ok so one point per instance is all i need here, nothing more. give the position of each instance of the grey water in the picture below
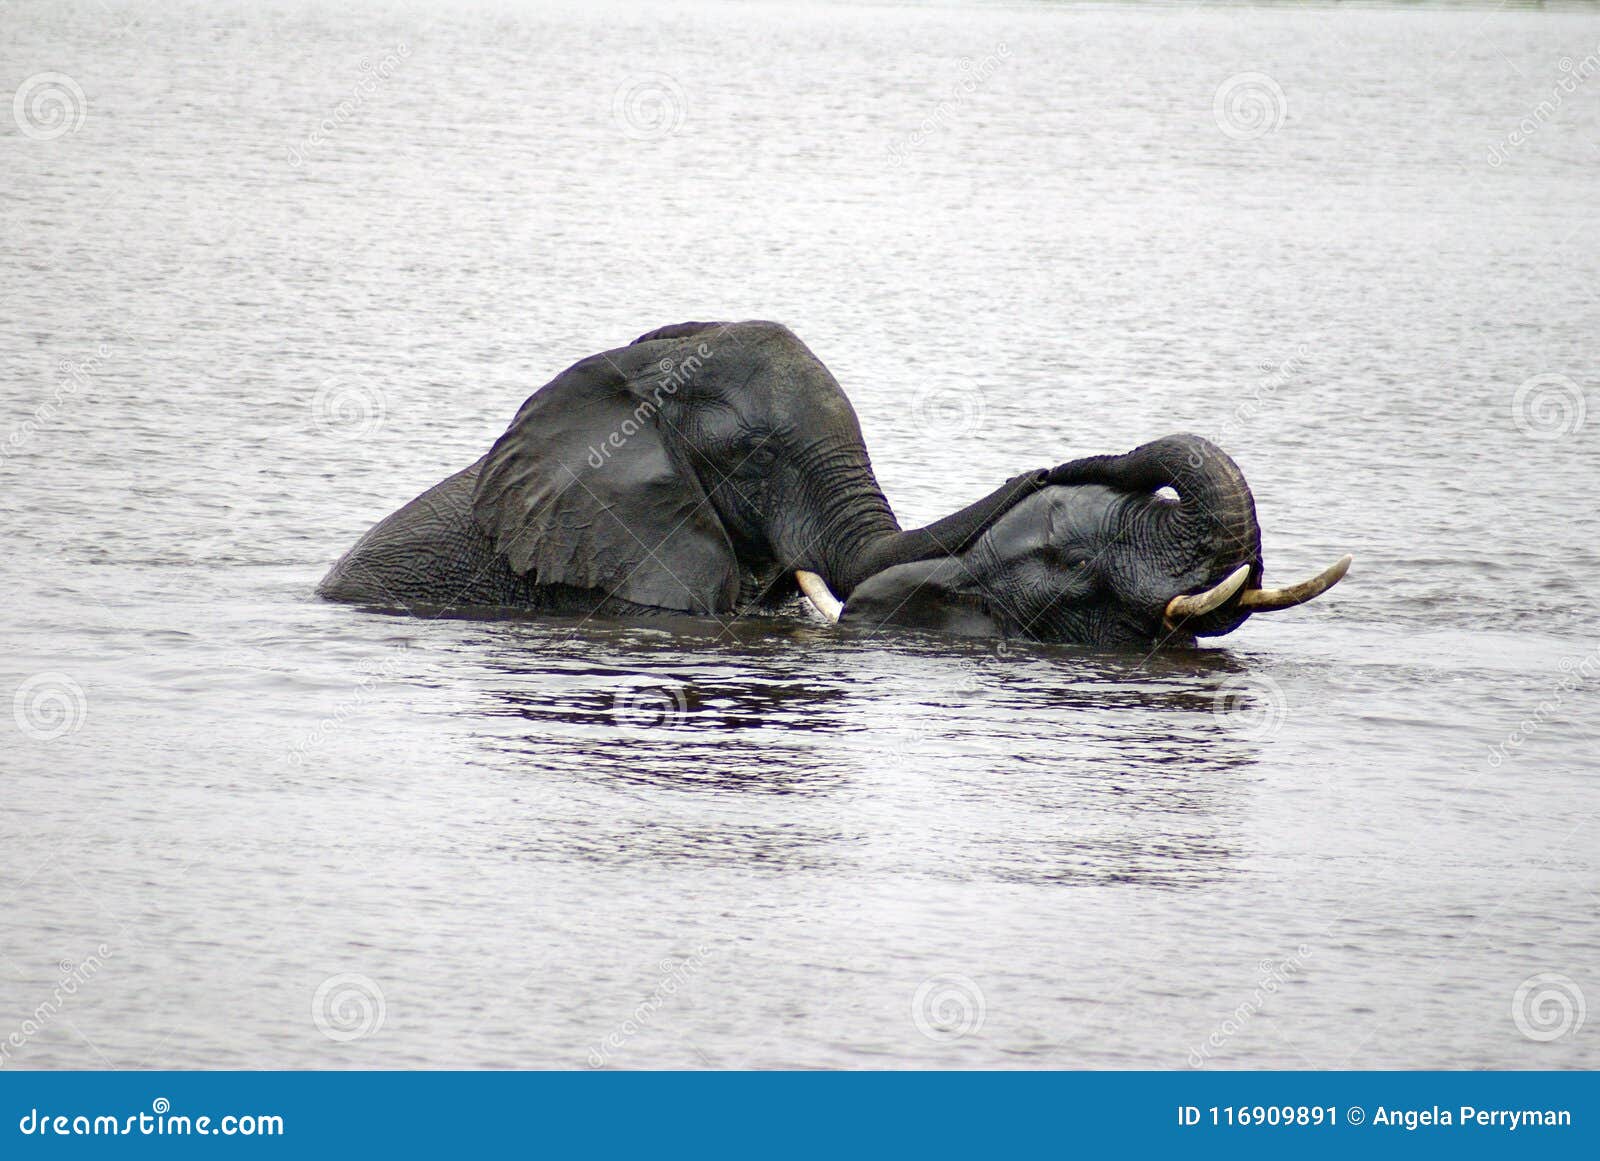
(271, 270)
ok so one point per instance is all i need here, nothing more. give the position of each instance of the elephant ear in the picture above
(585, 489)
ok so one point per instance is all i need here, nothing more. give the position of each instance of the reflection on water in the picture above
(229, 358)
(663, 722)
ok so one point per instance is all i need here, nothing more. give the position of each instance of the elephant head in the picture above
(1101, 556)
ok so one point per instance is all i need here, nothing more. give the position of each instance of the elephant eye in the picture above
(763, 453)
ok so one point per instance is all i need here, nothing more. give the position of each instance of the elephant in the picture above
(718, 468)
(1101, 556)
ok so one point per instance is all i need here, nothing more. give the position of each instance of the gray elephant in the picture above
(712, 468)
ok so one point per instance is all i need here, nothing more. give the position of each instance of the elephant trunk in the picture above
(829, 513)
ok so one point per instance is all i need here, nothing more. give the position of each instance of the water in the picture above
(274, 832)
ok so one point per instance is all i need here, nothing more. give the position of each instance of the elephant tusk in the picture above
(821, 597)
(1199, 604)
(1260, 600)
